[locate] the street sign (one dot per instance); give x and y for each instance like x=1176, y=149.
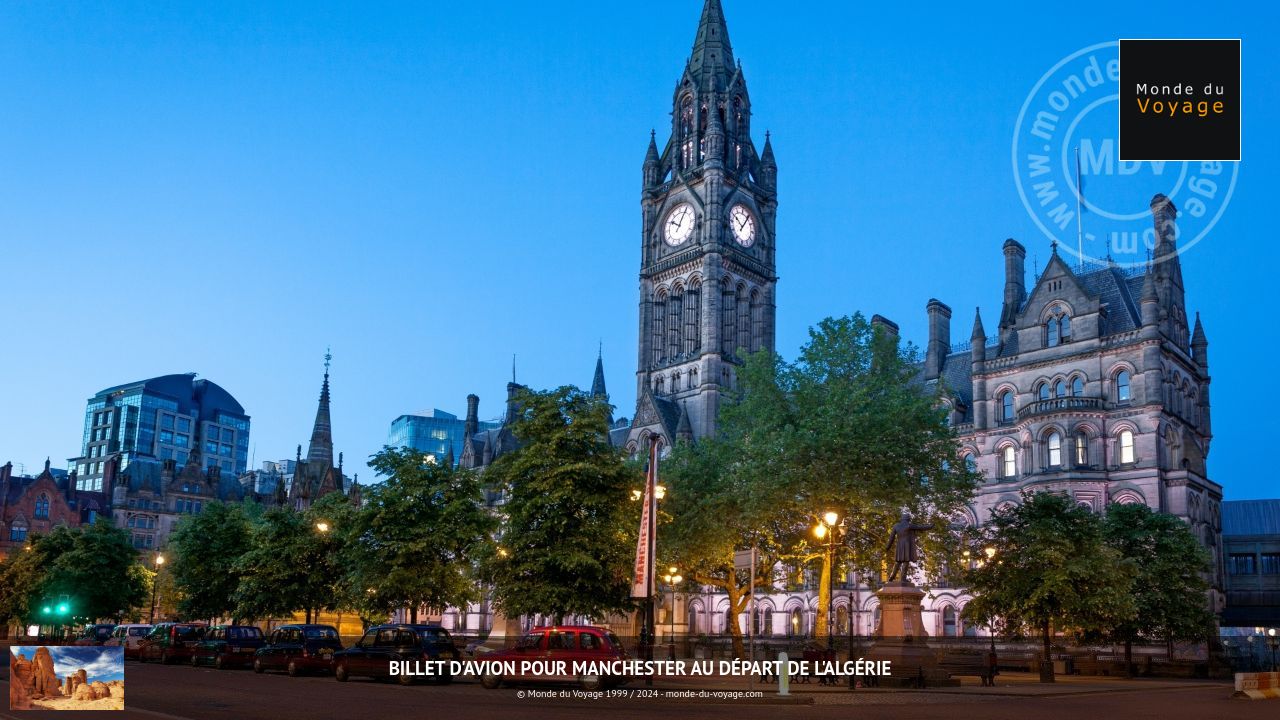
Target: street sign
x=744, y=559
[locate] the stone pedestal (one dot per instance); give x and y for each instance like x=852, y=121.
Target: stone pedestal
x=901, y=639
x=505, y=631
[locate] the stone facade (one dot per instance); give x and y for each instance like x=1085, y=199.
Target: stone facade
x=35, y=505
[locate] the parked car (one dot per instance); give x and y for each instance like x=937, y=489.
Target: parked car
x=569, y=643
x=225, y=646
x=128, y=636
x=298, y=649
x=371, y=656
x=170, y=642
x=95, y=635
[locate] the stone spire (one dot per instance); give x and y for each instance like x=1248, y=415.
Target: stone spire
x=711, y=63
x=978, y=338
x=321, y=448
x=768, y=166
x=652, y=162
x=684, y=429
x=1200, y=344
x=597, y=382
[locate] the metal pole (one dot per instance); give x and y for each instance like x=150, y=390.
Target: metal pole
x=831, y=588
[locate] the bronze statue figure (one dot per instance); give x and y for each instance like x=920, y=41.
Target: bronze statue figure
x=902, y=543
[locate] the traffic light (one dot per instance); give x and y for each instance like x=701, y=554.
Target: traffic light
x=63, y=608
x=46, y=610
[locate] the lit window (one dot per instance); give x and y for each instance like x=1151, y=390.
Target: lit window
x=1122, y=386
x=1008, y=465
x=1055, y=450
x=1006, y=407
x=1082, y=449
x=1077, y=387
x=1126, y=447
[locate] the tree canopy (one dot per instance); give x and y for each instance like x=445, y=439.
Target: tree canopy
x=205, y=550
x=565, y=545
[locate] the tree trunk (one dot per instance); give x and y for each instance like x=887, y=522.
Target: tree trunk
x=413, y=614
x=1046, y=663
x=308, y=615
x=1128, y=657
x=737, y=599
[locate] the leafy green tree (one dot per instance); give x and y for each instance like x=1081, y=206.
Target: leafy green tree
x=295, y=562
x=566, y=541
x=846, y=428
x=1169, y=588
x=1052, y=568
x=24, y=573
x=205, y=549
x=416, y=537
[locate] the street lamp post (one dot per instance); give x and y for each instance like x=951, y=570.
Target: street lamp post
x=826, y=530
x=1273, y=642
x=672, y=579
x=157, y=562
x=647, y=630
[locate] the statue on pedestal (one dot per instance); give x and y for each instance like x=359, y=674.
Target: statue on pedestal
x=903, y=545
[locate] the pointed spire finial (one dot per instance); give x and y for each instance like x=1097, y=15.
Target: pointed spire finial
x=513, y=368
x=327, y=357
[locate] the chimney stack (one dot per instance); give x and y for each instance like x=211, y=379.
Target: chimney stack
x=883, y=323
x=1015, y=288
x=472, y=424
x=939, y=338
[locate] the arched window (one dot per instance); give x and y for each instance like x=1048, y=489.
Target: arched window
x=1006, y=407
x=729, y=620
x=1126, y=447
x=42, y=507
x=1042, y=392
x=1008, y=462
x=18, y=531
x=659, y=341
x=949, y=622
x=1082, y=449
x=728, y=318
x=875, y=619
x=1055, y=449
x=744, y=319
x=675, y=327
x=768, y=622
x=970, y=462
x=1060, y=389
x=692, y=320
x=1057, y=329
x=1077, y=387
x=842, y=620
x=757, y=321
x=795, y=624
x=695, y=627
x=1122, y=386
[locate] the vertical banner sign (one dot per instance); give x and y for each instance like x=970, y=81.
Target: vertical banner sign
x=642, y=584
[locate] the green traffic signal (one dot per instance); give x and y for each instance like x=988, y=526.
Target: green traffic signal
x=63, y=608
x=46, y=610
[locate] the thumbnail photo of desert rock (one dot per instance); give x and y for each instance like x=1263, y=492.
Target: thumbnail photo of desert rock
x=34, y=682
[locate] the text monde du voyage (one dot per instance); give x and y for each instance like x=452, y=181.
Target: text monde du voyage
x=1180, y=99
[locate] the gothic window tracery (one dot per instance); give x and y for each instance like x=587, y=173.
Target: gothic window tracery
x=728, y=318
x=692, y=316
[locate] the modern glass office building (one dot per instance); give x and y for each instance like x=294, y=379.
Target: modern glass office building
x=435, y=433
x=160, y=419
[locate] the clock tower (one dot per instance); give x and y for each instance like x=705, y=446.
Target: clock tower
x=707, y=272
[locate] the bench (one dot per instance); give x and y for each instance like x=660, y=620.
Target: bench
x=1024, y=661
x=970, y=664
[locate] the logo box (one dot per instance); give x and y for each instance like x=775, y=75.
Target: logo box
x=1180, y=100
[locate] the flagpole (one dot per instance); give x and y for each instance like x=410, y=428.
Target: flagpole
x=1079, y=214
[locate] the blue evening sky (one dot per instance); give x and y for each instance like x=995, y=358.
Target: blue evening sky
x=101, y=664
x=429, y=188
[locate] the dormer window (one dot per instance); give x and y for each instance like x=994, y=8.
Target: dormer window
x=1058, y=329
x=42, y=507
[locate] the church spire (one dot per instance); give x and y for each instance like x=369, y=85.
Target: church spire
x=597, y=382
x=321, y=448
x=711, y=64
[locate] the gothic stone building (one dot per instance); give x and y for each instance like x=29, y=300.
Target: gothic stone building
x=36, y=505
x=707, y=272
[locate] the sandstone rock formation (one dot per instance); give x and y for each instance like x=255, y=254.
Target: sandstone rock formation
x=20, y=682
x=45, y=680
x=74, y=680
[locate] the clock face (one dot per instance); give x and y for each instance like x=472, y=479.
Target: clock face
x=743, y=225
x=679, y=224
